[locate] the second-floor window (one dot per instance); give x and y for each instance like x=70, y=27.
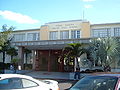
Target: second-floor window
x=64, y=35
x=32, y=36
x=103, y=32
x=19, y=37
x=53, y=35
x=117, y=31
x=75, y=34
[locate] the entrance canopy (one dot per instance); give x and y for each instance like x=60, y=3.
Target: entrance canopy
x=48, y=44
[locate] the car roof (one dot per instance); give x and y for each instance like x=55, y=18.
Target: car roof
x=2, y=76
x=112, y=75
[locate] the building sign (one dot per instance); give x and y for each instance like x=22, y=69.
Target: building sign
x=64, y=26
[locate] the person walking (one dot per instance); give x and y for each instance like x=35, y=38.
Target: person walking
x=77, y=74
x=12, y=68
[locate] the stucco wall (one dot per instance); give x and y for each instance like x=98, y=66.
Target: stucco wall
x=44, y=33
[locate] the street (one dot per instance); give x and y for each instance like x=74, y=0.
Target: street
x=65, y=84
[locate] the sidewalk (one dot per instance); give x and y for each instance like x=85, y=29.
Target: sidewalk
x=19, y=71
x=53, y=75
x=47, y=75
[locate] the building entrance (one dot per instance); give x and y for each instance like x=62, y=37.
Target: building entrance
x=48, y=60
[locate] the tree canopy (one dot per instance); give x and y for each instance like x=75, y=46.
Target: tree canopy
x=5, y=38
x=5, y=35
x=105, y=50
x=74, y=50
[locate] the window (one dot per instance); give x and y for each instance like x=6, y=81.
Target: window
x=75, y=34
x=19, y=37
x=117, y=31
x=11, y=83
x=103, y=32
x=28, y=83
x=16, y=83
x=64, y=35
x=53, y=35
x=96, y=83
x=32, y=36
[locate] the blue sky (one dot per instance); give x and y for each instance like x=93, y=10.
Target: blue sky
x=26, y=14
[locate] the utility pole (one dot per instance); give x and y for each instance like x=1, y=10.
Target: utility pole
x=83, y=15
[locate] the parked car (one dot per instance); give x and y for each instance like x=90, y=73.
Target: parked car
x=92, y=70
x=98, y=82
x=23, y=82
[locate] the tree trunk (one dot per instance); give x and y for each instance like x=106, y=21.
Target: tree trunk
x=3, y=71
x=3, y=57
x=11, y=57
x=25, y=61
x=26, y=58
x=76, y=64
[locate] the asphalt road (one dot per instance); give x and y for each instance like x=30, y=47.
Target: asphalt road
x=65, y=84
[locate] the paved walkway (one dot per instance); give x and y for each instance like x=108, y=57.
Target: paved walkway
x=47, y=75
x=53, y=75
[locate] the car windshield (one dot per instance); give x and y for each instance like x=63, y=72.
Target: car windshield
x=96, y=83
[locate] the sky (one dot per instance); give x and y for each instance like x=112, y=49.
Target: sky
x=31, y=14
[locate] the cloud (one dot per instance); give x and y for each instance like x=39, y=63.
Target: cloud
x=88, y=6
x=88, y=0
x=19, y=18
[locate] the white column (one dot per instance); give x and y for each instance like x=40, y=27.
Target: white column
x=26, y=37
x=58, y=34
x=69, y=34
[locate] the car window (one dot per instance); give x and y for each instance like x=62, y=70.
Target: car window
x=96, y=83
x=28, y=83
x=11, y=83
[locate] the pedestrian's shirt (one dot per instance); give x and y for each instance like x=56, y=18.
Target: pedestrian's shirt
x=11, y=67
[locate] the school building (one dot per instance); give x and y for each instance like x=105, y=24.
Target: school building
x=48, y=41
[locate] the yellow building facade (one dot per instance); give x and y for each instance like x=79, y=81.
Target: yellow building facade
x=47, y=41
x=65, y=30
x=73, y=29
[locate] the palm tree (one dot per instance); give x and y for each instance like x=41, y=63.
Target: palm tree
x=15, y=63
x=74, y=50
x=26, y=51
x=12, y=51
x=111, y=48
x=106, y=50
x=94, y=49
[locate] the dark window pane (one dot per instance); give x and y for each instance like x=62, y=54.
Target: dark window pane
x=96, y=83
x=11, y=83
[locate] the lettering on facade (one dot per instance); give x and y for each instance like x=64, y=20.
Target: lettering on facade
x=64, y=26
